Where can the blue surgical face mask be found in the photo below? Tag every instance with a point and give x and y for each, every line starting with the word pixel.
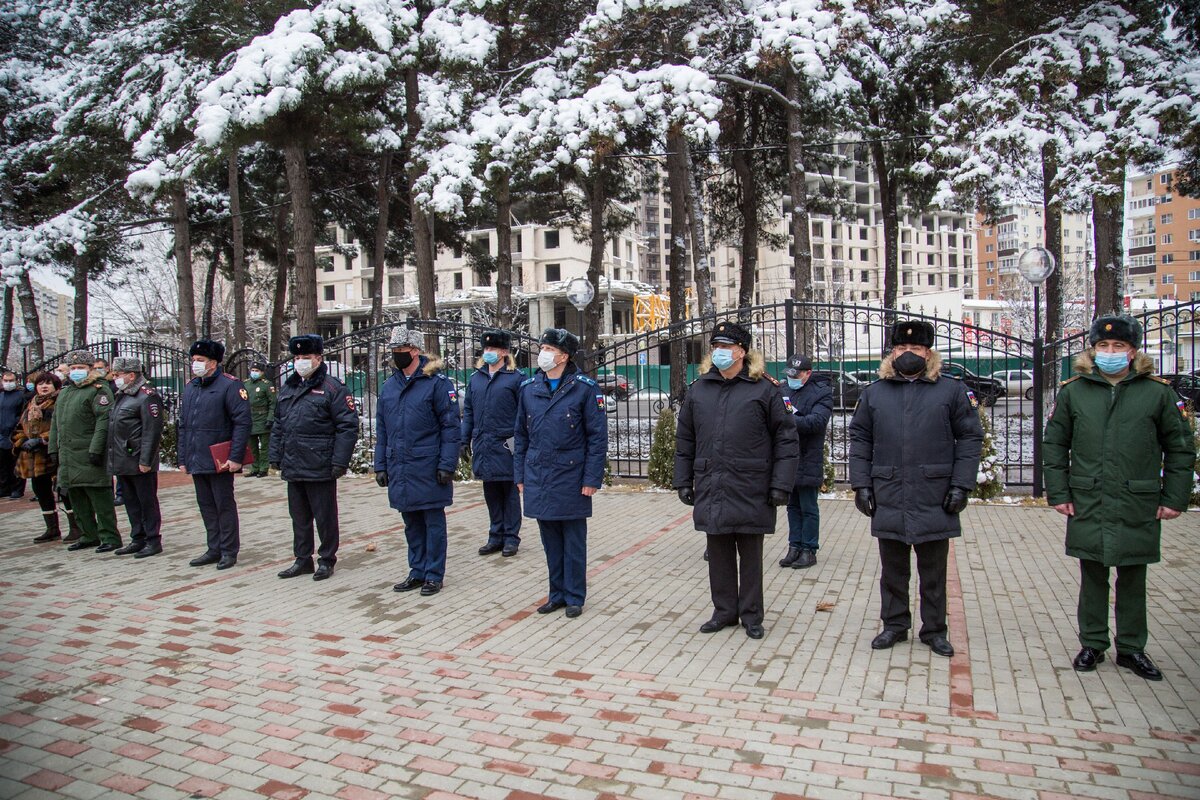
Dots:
pixel 29 387
pixel 1112 363
pixel 255 374
pixel 490 357
pixel 79 375
pixel 722 358
pixel 795 383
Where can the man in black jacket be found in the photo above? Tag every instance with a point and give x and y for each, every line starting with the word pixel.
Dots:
pixel 915 441
pixel 810 402
pixel 312 441
pixel 135 427
pixel 735 461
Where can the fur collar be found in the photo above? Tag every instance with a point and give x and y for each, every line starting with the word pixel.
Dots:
pixel 933 367
pixel 1085 363
pixel 756 365
pixel 432 364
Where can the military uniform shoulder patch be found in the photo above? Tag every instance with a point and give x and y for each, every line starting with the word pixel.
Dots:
pixel 154 409
pixel 972 398
pixel 350 402
pixel 587 380
pixel 102 399
pixel 527 381
pixel 243 395
pixel 787 403
pixel 1161 380
pixel 771 378
pixel 600 401
pixel 1182 406
pixel 272 390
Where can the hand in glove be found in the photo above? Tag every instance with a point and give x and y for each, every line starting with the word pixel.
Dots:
pixel 864 501
pixel 32 444
pixel 779 497
pixel 338 472
pixel 95 459
pixel 464 453
pixel 687 495
pixel 381 478
pixel 955 501
pixel 53 459
pixel 444 477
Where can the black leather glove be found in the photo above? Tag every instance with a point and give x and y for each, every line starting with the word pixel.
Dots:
pixel 270 424
pixel 779 497
pixel 95 459
pixel 687 495
pixel 864 501
pixel 464 452
pixel 275 465
pixel 444 477
pixel 381 478
pixel 955 501
pixel 32 444
pixel 338 472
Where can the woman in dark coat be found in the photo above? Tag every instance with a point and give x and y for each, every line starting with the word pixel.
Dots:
pixel 29 441
pixel 735 460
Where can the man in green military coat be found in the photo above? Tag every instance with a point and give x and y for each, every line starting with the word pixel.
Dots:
pixel 78 445
pixel 1118 459
pixel 262 417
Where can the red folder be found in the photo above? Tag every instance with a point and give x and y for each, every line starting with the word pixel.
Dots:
pixel 220 454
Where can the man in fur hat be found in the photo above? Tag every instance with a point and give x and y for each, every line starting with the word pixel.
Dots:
pixel 135 428
pixel 416 453
pixel 915 441
pixel 215 410
pixel 736 455
pixel 1118 459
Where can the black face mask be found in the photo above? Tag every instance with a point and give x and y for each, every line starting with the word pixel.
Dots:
pixel 909 364
pixel 402 360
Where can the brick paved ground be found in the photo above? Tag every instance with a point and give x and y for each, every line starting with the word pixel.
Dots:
pixel 154 679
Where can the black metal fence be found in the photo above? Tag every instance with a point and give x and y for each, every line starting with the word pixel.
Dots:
pixel 844 341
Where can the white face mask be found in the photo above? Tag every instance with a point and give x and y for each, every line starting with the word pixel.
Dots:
pixel 304 366
pixel 546 360
pixel 199 368
pixel 121 383
pixel 9 385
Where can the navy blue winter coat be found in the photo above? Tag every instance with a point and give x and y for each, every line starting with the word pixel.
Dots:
pixel 811 406
pixel 561 441
pixel 489 413
pixel 416 434
pixel 315 428
pixel 213 410
pixel 11 405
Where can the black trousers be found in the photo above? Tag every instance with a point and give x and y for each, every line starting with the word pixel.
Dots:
pixel 309 502
pixel 735 577
pixel 218 509
pixel 141 506
pixel 893 586
pixel 9 482
pixel 43 490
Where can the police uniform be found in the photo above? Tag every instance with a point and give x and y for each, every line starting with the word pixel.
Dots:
pixel 214 410
pixel 134 435
pixel 262 418
pixel 489 412
pixel 416 453
pixel 560 445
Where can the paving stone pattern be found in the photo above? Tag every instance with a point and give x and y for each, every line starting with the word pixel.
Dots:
pixel 158 680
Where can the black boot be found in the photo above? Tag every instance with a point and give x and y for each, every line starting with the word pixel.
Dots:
pixel 793 553
pixel 52 533
pixel 73 532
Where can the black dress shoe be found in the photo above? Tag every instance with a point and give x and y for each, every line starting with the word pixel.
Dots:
pixel 551 607
pixel 806 559
pixel 941 645
pixel 323 571
pixel 430 587
pixel 509 550
pixel 80 544
pixel 788 560
pixel 204 560
pixel 129 549
pixel 491 547
pixel 573 611
pixel 714 625
pixel 303 566
pixel 108 547
pixel 148 550
pixel 226 562
pixel 1140 664
pixel 408 584
pixel 755 631
pixel 887 639
pixel 1087 659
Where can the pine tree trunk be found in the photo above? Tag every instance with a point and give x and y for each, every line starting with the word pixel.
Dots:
pixel 236 232
pixel 891 230
pixel 802 283
pixel 504 262
pixel 743 168
pixel 303 237
pixel 275 345
pixel 597 204
pixel 701 259
pixel 422 235
pixel 677 163
pixel 1108 217
pixel 383 199
pixel 6 324
pixel 185 285
pixel 79 282
pixel 210 282
pixel 29 316
pixel 1052 225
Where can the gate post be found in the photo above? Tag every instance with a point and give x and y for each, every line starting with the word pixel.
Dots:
pixel 113 350
pixel 1039 383
pixel 789 315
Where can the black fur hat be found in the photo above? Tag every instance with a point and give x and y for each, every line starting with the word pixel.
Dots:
pixel 207 348
pixel 306 345
pixel 496 338
pixel 561 338
pixel 1121 327
pixel 727 332
pixel 912 331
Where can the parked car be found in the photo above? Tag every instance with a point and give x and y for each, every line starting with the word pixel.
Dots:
pixel 1186 386
pixel 1017 382
pixel 846 388
pixel 986 390
pixel 617 386
pixel 864 376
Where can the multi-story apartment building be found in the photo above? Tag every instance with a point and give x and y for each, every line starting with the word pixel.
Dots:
pixel 1162 238
pixel 1018 227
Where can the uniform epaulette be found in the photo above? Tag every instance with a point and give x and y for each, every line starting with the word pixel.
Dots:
pixel 1161 380
pixel 527 381
pixel 1069 380
pixel 587 380
pixel 227 375
pixel 771 378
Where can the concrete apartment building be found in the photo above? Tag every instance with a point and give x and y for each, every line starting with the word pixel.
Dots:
pixel 1018 227
pixel 1162 238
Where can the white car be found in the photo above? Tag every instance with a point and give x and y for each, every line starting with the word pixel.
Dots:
pixel 1017 382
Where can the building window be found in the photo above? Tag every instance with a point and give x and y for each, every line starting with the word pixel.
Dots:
pixel 458 284
pixel 1194 235
pixel 1168 258
pixel 1167 238
pixel 553 271
pixel 458 249
pixel 551 238
pixel 1166 198
pixel 864 276
pixel 330 293
pixel 1194 213
pixel 616 248
pixel 1166 277
pixel 515 246
pixel 368 288
pixel 326 263
pixel 1194 255
pixel 1165 179
pixel 862 234
pixel 932 280
pixel 991 281
pixel 1166 219
pixel 1194 277
pixel 395 285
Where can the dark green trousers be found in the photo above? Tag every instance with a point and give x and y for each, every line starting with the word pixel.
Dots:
pixel 95 515
pixel 260 448
pixel 1130 607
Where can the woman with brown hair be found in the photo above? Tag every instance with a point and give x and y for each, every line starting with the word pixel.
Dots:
pixel 29 441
